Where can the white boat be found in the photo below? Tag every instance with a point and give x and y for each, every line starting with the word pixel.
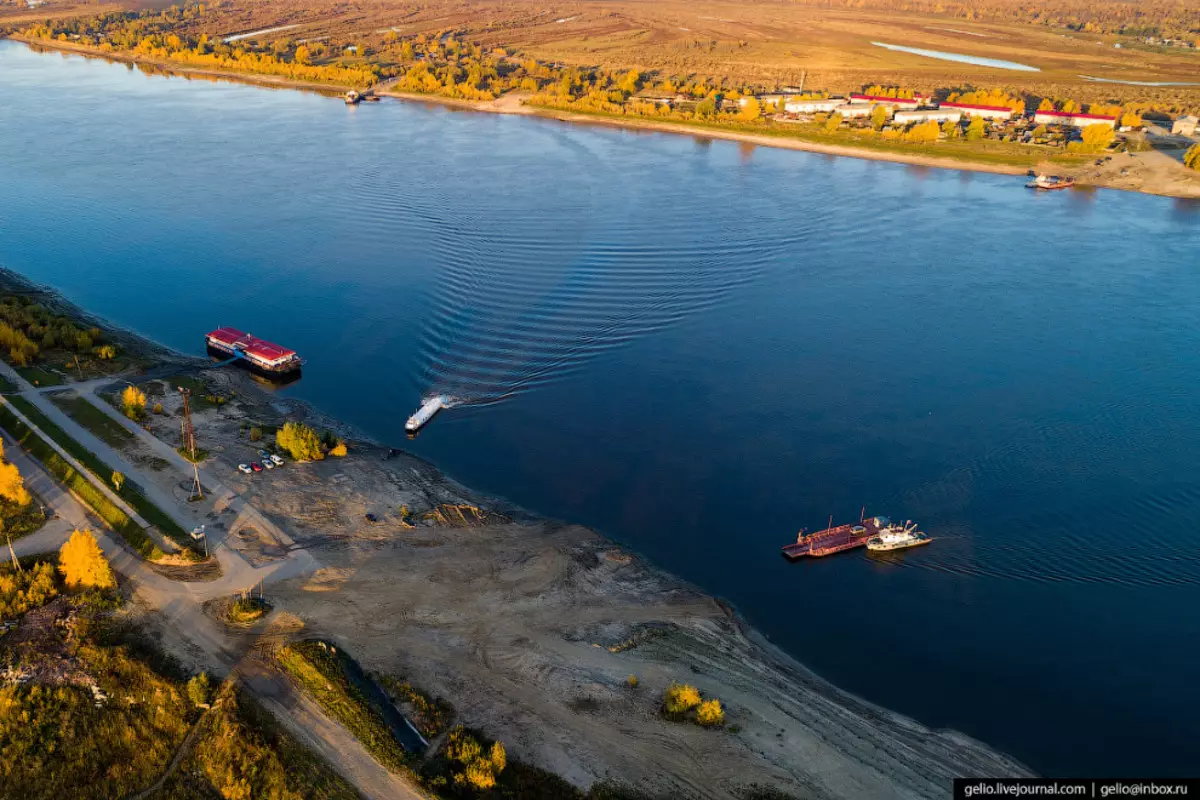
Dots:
pixel 898 537
pixel 426 412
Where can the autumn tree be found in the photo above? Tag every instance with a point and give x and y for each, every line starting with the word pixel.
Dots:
pixel 12 485
pixel 118 480
pixel 976 129
pixel 1094 138
pixel 1191 159
pixel 133 401
pixel 82 563
pixel 751 109
pixel 302 55
pixel 951 129
pixel 300 442
pixel 879 117
pixel 834 122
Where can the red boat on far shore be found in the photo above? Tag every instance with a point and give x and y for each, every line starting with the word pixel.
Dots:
pixel 835 539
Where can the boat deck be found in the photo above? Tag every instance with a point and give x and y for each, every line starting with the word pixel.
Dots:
pixel 832 540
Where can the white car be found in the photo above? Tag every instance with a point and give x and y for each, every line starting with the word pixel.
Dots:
pixel 244 468
pixel 268 463
pixel 278 461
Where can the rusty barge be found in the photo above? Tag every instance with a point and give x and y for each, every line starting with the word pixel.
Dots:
pixel 835 539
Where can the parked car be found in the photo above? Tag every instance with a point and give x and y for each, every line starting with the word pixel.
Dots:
pixel 268 463
pixel 198 532
pixel 278 461
pixel 264 454
pixel 257 467
pixel 244 468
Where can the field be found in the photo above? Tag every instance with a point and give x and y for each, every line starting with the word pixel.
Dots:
pixel 827 45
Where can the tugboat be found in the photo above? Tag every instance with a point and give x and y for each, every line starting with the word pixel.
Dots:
pixel 1048 182
pixel 897 537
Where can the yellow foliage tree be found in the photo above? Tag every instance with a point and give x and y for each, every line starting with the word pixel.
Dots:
pixel 751 110
pixel 834 122
pixel 133 401
pixel 12 485
pixel 82 563
pixel 681 698
pixel 710 713
pixel 1095 138
pixel 338 449
pixel 1191 159
pixel 299 441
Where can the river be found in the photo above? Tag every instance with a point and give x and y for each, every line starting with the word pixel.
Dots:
pixel 699 347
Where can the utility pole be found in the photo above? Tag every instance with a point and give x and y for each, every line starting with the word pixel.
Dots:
pixel 189 444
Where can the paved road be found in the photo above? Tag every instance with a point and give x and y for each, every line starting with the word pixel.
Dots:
pixel 181 603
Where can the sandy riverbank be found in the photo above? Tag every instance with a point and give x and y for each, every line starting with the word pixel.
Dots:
pixel 1154 172
pixel 531 627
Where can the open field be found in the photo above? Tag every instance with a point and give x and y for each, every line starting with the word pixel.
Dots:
pixel 761 43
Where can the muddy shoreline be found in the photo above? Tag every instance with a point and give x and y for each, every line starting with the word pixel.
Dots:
pixel 1158 179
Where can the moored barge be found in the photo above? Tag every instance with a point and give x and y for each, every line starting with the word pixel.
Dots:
pixel 261 356
pixel 835 539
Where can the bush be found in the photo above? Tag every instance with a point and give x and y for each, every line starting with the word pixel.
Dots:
pixel 300 442
pixel 632 681
pixel 338 449
pixel 709 713
pixel 255 434
pixel 680 698
pixel 199 689
pixel 26 590
pixel 475 769
pixel 158 408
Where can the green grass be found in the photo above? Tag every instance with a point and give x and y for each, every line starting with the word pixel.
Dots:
pixel 107 429
pixel 129 492
pixel 40 376
pixel 6 386
pixel 21 520
pixel 321 674
pixel 117 519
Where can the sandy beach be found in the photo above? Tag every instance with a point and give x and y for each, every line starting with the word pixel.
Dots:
pixel 1152 172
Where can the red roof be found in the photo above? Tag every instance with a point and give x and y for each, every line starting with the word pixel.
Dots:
pixel 1069 115
pixel 251 345
pixel 981 108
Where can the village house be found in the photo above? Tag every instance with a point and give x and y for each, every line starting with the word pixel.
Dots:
pixel 900 102
pixel 1186 126
pixel 926 114
pixel 987 112
pixel 1073 119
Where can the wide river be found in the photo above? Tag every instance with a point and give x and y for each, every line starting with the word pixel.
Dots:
pixel 698 348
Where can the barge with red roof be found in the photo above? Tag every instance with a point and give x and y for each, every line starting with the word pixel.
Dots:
pixel 266 358
pixel 835 539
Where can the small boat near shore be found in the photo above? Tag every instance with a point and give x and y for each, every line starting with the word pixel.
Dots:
pixel 1050 182
pixel 897 537
pixel 428 410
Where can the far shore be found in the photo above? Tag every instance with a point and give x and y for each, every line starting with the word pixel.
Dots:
pixel 1149 173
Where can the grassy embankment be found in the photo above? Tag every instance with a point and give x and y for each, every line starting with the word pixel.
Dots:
pixel 324 671
pixel 82 487
pixel 320 669
pixel 65 740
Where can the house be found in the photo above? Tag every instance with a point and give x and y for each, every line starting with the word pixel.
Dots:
pixel 852 110
pixel 1186 126
pixel 1073 119
pixel 812 106
pixel 987 112
pixel 926 114
pixel 902 102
